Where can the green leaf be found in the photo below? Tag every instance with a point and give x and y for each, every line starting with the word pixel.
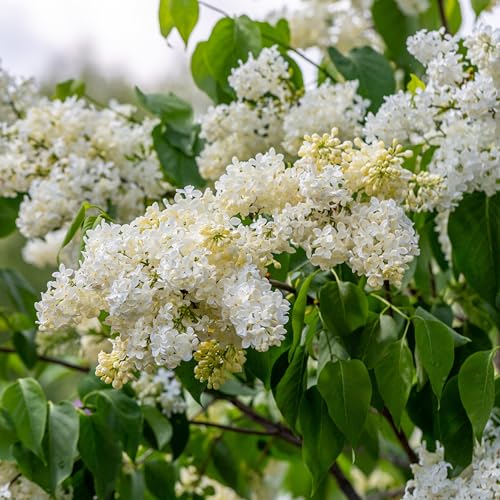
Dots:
pixel 455 428
pixel 395 374
pixel 343 306
pixel 59 444
pixel 19 293
pixel 231 41
pixel 120 414
pixel 394 28
pixel 69 88
pixel 288 393
pixel 185 372
pixel 24 342
pixel 370 68
pixel 159 424
pixel 101 452
pixel 168 107
pixel 227 466
pixel 436 351
pixel 458 340
pixel 185 15
pixel 180 433
pixel 165 17
pixel 25 402
pixel 160 478
pixel 204 78
pixel 476 382
pixel 479 5
pixel 178 164
pixel 347 390
pixel 374 339
pixel 9 207
pixel 7 435
pixel 131 485
pixel 322 440
pixel 298 314
pixel 474 230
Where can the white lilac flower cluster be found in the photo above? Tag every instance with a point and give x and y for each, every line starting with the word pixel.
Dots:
pixel 345 24
pixel 64 153
pixel 480 481
pixel 17 94
pixel 454 117
pixel 189 280
pixel 268 112
pixel 161 388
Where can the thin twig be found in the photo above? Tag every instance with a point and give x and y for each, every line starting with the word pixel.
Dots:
pixel 284 433
pixel 283 286
pixel 215 9
pixel 412 456
pixel 50 359
pixel 239 430
pixel 442 15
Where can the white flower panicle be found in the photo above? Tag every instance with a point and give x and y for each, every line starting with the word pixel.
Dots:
pixel 452 122
pixel 251 123
pixel 346 24
pixel 64 153
pixel 190 279
pixel 161 388
pixel 17 94
pixel 480 481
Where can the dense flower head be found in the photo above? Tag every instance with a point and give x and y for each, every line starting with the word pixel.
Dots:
pixel 161 388
pixel 480 481
pixel 452 118
pixel 65 152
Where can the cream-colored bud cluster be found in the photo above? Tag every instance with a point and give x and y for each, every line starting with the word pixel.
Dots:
pixel 215 363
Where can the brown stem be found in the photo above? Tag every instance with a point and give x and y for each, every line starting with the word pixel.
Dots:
pixel 230 428
pixel 412 456
pixel 284 433
pixel 442 15
pixel 50 359
pixel 283 286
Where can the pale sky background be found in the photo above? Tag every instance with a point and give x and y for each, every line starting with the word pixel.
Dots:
pixel 121 37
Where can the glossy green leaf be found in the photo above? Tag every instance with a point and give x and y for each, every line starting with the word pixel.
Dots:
pixel 395 374
pixel 455 430
pixel 101 452
pixel 288 393
pixel 69 88
pixel 165 17
pixel 474 230
pixel 479 5
pixel 19 292
pixel 185 372
pixel 374 339
pixel 168 107
pixel 59 444
pixel 322 441
pixel 346 388
pixel 458 340
pixel 26 405
pixel 159 424
pixel 160 478
pixel 372 70
pixel 343 306
pixel 394 28
pixel 185 15
pixel 227 465
pixel 24 343
pixel 298 313
pixel 120 414
pixel 180 433
pixel 476 383
pixel 7 435
pixel 436 351
pixel 9 207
